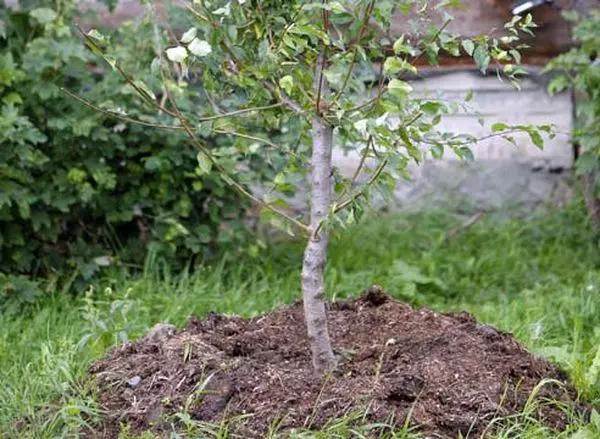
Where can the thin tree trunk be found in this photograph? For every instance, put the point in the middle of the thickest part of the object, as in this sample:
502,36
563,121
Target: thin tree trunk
589,180
315,254
592,203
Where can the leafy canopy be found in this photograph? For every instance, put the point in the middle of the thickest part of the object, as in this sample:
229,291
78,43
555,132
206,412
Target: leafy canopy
257,64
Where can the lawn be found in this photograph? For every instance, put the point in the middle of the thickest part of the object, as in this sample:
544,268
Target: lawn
537,278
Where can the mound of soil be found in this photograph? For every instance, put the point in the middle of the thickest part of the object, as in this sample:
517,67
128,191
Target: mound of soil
454,374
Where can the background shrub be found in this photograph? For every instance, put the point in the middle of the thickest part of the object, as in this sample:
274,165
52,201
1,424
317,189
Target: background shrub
79,189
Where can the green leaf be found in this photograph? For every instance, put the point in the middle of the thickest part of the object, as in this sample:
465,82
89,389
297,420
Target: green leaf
481,57
43,15
144,89
279,179
499,126
97,36
287,83
516,55
449,4
431,107
469,46
432,50
399,88
400,47
465,153
337,8
558,84
225,10
12,98
311,31
155,66
204,163
571,16
393,65
536,138
412,150
24,208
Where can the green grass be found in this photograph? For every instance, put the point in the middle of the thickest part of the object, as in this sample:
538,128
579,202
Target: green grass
539,279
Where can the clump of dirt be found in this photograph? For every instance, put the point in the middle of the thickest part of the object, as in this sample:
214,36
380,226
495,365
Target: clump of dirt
450,373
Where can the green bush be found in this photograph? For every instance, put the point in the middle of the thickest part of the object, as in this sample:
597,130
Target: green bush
80,189
579,70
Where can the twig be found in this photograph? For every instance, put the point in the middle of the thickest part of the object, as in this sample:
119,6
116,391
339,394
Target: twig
321,62
228,179
174,127
362,190
368,12
378,170
290,103
261,140
117,115
471,221
477,139
361,163
288,27
369,102
238,112
142,93
338,207
435,36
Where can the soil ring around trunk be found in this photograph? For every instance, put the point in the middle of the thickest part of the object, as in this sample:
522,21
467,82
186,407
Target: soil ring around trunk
447,373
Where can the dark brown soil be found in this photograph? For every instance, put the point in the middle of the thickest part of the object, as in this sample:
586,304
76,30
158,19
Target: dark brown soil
455,374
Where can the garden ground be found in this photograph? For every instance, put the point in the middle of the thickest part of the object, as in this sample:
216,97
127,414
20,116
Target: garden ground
538,279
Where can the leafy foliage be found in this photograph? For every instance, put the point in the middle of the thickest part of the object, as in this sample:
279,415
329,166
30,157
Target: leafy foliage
80,190
266,57
579,69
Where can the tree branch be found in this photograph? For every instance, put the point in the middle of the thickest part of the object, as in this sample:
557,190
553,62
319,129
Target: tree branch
361,163
261,140
185,126
228,179
117,115
475,140
380,92
175,127
238,112
363,189
367,16
290,103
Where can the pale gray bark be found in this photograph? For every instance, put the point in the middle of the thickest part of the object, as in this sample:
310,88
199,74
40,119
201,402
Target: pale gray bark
315,254
589,182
